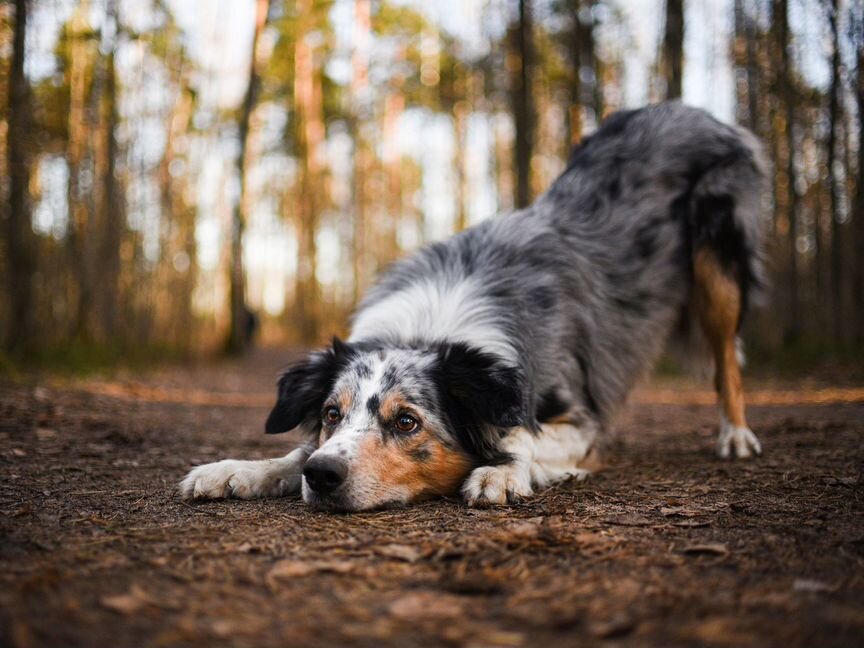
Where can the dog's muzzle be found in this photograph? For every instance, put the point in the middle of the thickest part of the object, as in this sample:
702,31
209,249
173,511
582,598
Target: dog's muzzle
325,474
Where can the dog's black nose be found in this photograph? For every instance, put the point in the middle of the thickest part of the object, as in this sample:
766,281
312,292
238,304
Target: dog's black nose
325,474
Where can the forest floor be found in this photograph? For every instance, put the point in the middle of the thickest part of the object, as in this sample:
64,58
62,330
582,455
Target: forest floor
668,546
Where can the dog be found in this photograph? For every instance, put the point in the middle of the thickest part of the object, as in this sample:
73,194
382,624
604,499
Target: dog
492,363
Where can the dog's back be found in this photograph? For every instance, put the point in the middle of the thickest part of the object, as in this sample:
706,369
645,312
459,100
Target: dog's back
584,288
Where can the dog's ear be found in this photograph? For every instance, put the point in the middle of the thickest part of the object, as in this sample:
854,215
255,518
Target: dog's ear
301,390
483,385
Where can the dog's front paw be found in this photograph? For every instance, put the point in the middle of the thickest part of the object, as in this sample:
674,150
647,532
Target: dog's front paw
497,485
737,442
233,478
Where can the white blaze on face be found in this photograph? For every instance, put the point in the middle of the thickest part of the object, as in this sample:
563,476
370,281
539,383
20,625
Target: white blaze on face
358,421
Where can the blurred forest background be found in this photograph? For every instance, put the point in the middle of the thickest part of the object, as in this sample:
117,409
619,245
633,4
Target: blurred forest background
171,166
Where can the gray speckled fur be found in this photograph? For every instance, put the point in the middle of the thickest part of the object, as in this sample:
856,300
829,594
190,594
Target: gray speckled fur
587,284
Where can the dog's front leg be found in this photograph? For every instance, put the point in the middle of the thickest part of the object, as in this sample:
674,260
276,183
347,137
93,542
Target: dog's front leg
247,479
537,461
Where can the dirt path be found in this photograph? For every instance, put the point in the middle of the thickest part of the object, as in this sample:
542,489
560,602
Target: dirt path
668,546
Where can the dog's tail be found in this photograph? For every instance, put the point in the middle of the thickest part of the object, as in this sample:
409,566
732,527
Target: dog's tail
723,211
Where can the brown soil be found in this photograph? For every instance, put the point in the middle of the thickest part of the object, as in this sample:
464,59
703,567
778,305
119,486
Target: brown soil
667,547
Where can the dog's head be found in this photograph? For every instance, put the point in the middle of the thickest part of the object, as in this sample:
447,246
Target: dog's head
396,425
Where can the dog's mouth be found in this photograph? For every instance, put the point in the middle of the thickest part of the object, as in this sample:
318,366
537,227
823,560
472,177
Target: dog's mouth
340,501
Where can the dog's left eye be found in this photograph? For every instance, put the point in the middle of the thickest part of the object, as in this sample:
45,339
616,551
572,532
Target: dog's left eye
406,423
332,415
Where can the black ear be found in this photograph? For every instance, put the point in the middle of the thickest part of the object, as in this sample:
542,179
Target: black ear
302,389
483,385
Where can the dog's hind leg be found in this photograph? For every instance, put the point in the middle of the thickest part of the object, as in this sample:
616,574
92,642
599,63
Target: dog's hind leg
247,479
560,451
717,298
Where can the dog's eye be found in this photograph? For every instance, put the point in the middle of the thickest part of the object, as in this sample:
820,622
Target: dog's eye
406,423
332,415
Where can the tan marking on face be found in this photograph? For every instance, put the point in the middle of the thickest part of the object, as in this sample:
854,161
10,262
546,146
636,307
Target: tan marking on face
433,468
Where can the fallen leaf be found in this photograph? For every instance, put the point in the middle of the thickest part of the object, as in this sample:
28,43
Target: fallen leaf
400,552
630,519
715,548
616,626
812,585
129,603
679,510
691,524
45,434
425,605
300,568
526,529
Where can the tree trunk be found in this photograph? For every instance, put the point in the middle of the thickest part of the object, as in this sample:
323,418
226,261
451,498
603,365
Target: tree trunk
673,48
308,106
835,117
238,337
179,213
359,83
20,251
112,208
523,112
780,18
80,233
858,211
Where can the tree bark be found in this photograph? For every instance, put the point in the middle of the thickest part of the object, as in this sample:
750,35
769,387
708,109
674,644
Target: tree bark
835,118
112,210
858,210
80,236
673,48
238,339
523,111
308,106
780,18
359,83
20,252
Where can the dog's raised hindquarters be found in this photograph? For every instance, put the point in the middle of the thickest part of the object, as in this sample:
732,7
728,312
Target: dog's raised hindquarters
492,364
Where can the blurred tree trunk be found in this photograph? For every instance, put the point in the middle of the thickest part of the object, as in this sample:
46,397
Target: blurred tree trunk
673,48
858,210
746,40
460,117
783,76
238,338
394,106
586,91
834,119
180,215
80,235
523,111
575,110
359,86
112,210
20,248
310,134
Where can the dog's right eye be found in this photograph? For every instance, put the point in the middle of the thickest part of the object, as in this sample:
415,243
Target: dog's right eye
332,416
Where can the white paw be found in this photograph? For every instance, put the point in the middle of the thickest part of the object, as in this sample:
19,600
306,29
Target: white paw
240,479
497,485
737,442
